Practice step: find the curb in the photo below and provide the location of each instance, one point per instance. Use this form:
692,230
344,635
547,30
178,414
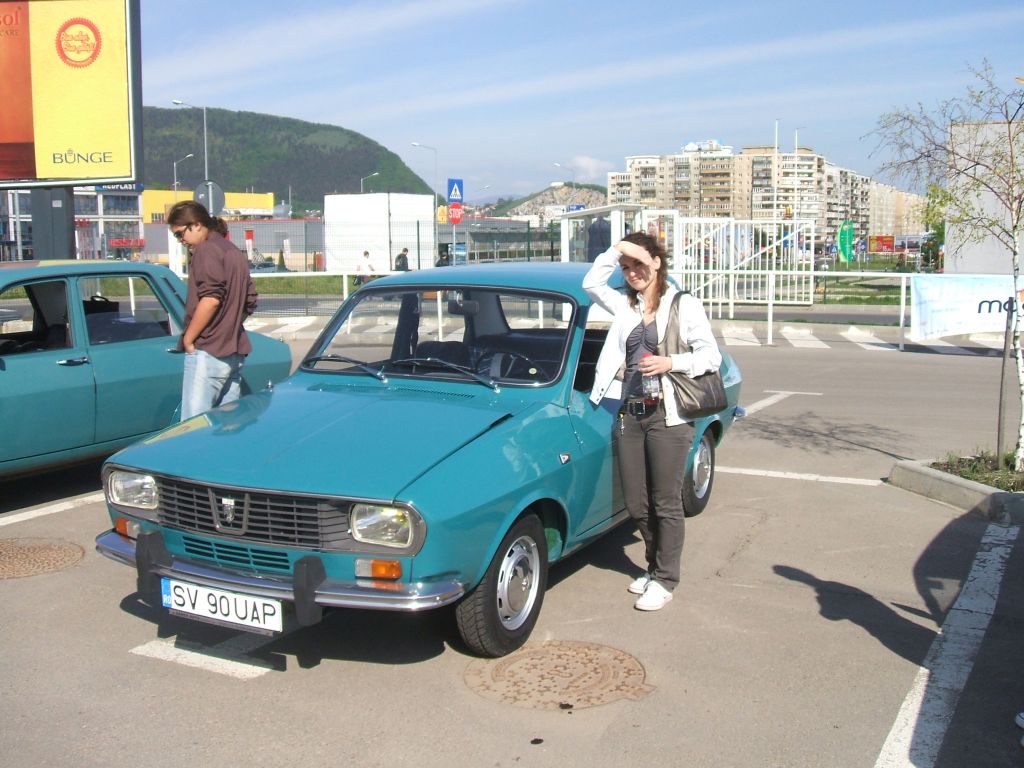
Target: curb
968,495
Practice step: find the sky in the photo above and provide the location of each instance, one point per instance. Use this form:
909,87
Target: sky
512,95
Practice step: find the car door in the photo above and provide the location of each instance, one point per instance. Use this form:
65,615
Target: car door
132,336
47,392
595,426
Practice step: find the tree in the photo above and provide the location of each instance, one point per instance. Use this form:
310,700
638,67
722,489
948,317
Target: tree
969,153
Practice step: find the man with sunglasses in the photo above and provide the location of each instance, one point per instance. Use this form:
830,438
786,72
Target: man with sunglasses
221,295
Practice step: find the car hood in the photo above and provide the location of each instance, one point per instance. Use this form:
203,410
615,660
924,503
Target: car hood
367,440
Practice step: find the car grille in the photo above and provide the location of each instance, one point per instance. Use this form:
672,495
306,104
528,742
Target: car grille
235,555
306,522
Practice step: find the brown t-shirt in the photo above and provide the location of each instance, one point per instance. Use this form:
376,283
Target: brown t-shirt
220,270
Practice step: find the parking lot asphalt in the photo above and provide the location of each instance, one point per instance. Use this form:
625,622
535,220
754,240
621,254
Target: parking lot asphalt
826,617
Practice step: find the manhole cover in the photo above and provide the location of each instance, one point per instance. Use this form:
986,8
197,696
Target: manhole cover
29,557
559,674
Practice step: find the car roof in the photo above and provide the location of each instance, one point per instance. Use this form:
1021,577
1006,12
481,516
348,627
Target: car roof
560,277
11,271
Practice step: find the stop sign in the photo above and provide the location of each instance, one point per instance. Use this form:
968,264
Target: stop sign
455,213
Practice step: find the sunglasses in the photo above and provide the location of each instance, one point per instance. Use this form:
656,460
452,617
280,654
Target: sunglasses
179,234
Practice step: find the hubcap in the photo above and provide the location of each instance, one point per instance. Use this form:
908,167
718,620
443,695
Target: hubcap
517,582
701,470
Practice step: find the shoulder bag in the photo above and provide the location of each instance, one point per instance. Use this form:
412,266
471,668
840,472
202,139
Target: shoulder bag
698,396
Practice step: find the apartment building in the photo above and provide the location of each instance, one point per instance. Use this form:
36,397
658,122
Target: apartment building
707,179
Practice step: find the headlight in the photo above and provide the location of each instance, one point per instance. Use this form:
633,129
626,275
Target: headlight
131,489
386,526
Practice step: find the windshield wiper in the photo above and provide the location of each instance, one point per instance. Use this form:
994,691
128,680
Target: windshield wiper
377,373
487,381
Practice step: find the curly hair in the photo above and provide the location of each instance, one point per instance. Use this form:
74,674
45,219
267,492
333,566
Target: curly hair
653,247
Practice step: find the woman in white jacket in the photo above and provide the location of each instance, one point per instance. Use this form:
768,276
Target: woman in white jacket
653,440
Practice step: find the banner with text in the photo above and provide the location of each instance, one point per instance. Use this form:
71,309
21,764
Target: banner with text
954,305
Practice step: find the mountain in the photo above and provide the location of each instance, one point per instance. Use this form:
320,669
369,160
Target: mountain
292,158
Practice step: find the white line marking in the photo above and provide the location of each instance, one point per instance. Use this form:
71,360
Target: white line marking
802,337
777,396
251,324
920,727
945,348
227,658
867,340
739,336
990,340
72,503
294,325
798,476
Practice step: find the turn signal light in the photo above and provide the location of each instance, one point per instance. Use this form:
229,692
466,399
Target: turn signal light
127,527
378,569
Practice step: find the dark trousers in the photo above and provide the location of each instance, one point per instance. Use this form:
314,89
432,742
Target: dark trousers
652,466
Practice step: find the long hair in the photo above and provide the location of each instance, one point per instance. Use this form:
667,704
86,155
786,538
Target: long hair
190,212
653,247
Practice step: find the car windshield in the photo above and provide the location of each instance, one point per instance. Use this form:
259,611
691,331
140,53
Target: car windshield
488,335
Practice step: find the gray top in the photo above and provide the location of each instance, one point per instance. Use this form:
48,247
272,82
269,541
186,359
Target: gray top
641,340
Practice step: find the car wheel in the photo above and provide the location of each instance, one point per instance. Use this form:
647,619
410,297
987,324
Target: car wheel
498,616
700,478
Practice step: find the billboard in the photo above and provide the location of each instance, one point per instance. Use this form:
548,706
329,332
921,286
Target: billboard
881,243
73,93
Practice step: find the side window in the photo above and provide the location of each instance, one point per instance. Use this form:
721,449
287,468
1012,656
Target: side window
33,317
598,323
123,308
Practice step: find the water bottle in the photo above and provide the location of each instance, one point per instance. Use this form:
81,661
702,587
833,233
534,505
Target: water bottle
651,387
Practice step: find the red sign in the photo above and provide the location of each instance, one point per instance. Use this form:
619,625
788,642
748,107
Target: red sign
455,213
125,242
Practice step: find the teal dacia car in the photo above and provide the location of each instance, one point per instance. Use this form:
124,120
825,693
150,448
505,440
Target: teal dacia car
435,447
89,361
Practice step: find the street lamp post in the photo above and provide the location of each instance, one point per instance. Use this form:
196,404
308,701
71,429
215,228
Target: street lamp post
206,154
175,164
375,173
572,196
434,192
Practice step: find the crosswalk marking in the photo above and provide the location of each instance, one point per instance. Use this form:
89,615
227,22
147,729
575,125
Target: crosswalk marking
990,340
802,337
730,334
739,336
867,340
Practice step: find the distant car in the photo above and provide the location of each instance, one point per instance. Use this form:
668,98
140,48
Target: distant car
436,446
265,266
88,359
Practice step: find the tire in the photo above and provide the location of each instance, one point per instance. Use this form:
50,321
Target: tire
498,616
701,477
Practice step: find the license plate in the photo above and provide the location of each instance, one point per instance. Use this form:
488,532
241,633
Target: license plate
257,614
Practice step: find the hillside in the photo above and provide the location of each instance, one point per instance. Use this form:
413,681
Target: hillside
590,195
269,154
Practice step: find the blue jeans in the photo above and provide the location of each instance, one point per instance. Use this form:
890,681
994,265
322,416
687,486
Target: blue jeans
209,381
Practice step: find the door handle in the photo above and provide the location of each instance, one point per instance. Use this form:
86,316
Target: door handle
73,361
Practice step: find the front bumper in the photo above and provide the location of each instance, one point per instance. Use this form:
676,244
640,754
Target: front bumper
307,588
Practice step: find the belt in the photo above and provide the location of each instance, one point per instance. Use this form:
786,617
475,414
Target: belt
638,408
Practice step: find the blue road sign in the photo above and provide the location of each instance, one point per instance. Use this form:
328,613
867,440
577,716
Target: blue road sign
455,191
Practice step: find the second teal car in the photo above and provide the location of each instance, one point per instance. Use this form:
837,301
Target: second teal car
89,361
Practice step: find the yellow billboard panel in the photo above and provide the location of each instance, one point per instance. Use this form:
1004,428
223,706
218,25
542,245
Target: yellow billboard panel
75,56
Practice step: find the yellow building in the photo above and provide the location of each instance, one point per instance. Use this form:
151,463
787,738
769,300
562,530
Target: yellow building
237,205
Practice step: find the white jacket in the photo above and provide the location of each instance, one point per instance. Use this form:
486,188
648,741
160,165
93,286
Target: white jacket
694,329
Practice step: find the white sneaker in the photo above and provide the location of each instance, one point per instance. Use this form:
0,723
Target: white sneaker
654,598
638,585
1019,719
